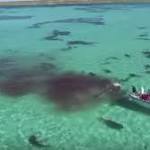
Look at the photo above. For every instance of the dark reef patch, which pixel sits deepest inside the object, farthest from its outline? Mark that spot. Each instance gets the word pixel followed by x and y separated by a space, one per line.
pixel 147 66
pixel 146 53
pixel 6 17
pixel 133 75
pixel 130 76
pixel 106 63
pixel 143 38
pixel 68 48
pixel 56 34
pixel 91 74
pixel 107 71
pixel 127 55
pixel 112 58
pixel 93 21
pixel 143 35
pixel 72 43
pixel 39 24
pixel 147 71
pixel 142 27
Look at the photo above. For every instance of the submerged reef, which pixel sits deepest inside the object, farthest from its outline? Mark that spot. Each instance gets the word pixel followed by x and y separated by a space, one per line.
pixel 71 43
pixel 112 58
pixel 107 71
pixel 130 76
pixel 93 21
pixel 142 27
pixel 56 35
pixel 146 53
pixel 147 66
pixel 127 55
pixel 6 17
pixel 74 44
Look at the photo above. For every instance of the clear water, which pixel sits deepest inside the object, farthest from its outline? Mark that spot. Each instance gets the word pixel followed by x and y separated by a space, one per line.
pixel 107 40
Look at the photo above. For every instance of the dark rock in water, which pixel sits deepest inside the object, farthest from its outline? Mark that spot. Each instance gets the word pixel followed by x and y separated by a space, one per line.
pixel 52 38
pixel 71 43
pixel 147 71
pixel 67 48
pixel 91 74
pixel 106 63
pixel 147 66
pixel 107 71
pixel 143 35
pixel 112 58
pixel 127 55
pixel 143 38
pixel 35 141
pixel 133 75
pixel 146 53
pixel 142 27
pixel 112 124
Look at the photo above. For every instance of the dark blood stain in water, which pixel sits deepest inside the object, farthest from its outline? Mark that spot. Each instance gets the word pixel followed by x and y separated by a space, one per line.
pixel 68 90
pixel 71 90
pixel 21 81
pixel 16 87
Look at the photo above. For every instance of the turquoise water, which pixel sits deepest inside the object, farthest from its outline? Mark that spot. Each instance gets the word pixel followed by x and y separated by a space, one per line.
pixel 108 40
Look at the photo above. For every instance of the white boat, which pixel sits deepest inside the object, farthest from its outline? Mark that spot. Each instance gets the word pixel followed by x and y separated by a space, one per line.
pixel 142 98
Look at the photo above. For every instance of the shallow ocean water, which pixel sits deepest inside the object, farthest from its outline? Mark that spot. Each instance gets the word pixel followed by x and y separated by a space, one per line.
pixel 105 39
